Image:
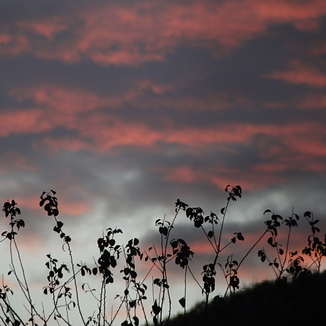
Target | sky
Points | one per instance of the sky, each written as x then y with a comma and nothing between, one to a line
122,107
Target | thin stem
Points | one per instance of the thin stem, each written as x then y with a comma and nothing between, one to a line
23,286
101,301
185,291
193,276
210,241
222,225
75,283
252,247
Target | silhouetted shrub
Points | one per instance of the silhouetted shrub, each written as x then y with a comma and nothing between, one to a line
294,298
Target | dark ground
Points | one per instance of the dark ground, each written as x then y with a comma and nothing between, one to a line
298,302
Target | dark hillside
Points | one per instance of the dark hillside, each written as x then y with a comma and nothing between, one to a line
299,302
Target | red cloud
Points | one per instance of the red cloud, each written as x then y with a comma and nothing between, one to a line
302,149
64,100
51,103
146,31
24,121
313,102
299,74
13,45
15,161
220,176
99,128
47,27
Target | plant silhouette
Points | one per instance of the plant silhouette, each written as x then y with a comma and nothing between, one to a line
268,303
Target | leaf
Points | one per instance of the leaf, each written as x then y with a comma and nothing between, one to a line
239,236
163,230
182,302
270,241
267,211
210,234
182,242
198,223
189,212
133,274
262,255
174,243
136,320
155,308
234,282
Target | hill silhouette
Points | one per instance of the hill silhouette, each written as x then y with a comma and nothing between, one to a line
301,301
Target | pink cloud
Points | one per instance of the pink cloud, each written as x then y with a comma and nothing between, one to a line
318,48
289,11
75,208
13,45
147,31
24,121
157,88
313,102
93,118
49,27
220,176
300,74
69,101
51,102
302,149
315,145
15,161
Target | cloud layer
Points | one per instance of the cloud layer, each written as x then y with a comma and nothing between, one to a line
123,107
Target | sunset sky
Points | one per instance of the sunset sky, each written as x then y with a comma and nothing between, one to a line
124,106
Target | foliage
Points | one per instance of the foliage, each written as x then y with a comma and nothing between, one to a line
122,260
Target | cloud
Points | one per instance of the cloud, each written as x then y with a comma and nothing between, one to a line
48,27
95,123
300,74
58,99
24,121
118,34
313,102
14,161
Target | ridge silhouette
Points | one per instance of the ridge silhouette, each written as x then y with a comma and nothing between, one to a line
300,301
